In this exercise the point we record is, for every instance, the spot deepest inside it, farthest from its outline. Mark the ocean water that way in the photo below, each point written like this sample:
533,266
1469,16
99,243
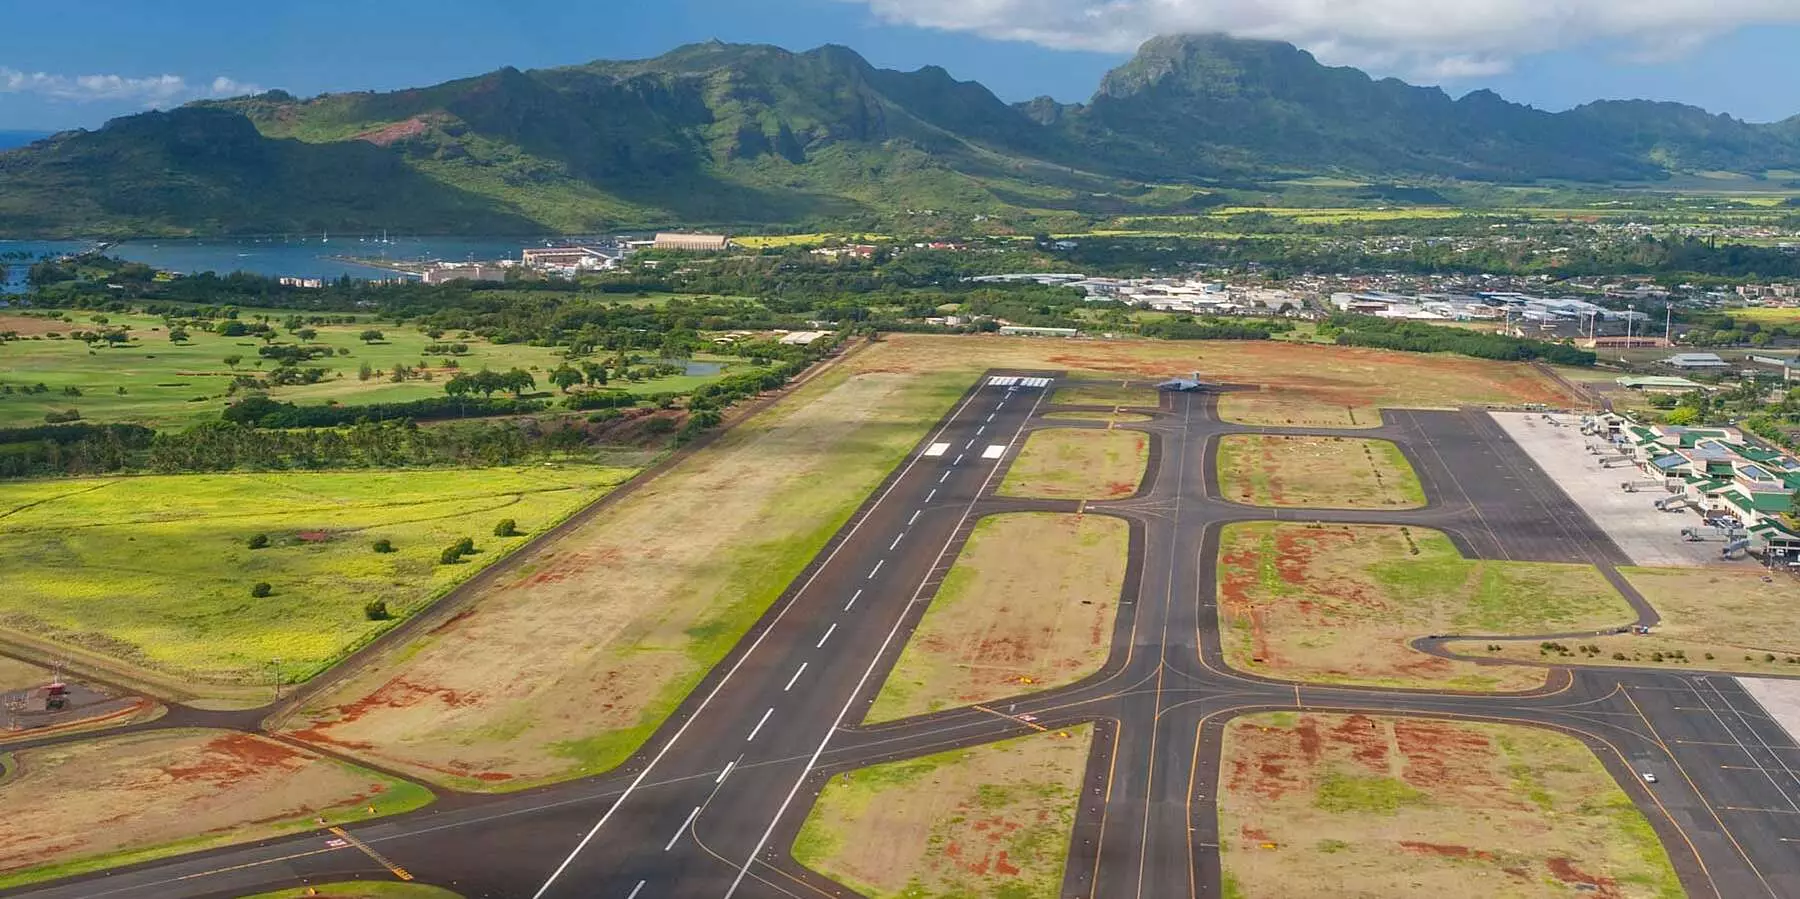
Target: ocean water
317,256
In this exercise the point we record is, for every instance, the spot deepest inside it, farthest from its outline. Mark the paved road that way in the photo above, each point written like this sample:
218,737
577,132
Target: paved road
708,807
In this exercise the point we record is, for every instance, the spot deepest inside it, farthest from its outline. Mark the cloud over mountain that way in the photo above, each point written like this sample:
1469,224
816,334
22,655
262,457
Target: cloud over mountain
150,91
1428,38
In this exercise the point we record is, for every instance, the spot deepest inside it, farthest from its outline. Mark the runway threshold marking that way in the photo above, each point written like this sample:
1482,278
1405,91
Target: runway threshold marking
684,826
1013,718
759,725
369,851
937,449
797,672
994,451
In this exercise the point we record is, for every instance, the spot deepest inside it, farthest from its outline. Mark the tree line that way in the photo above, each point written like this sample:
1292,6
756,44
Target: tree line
1416,337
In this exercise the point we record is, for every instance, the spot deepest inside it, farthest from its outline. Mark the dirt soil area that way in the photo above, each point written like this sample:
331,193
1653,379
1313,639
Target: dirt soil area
33,326
1028,606
16,675
993,820
1067,463
1096,393
1717,619
1317,472
568,666
362,889
1111,417
106,802
1339,605
1364,807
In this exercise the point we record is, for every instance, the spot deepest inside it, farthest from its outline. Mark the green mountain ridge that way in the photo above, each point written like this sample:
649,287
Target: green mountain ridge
751,135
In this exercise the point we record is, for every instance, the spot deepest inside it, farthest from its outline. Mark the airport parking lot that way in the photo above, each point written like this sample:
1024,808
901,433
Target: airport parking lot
1650,537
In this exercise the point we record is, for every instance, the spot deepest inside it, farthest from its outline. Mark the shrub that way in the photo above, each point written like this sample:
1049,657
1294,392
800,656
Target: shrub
261,589
1618,657
384,545
376,610
453,553
506,528
258,542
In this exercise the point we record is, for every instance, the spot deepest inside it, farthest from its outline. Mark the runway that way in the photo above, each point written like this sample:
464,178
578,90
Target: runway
710,804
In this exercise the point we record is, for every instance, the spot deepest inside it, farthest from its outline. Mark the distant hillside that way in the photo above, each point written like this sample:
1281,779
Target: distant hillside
736,135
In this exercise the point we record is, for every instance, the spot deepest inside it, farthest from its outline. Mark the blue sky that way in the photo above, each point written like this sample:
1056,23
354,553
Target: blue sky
77,64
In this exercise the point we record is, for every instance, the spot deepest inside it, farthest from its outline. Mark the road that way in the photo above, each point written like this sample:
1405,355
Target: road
708,807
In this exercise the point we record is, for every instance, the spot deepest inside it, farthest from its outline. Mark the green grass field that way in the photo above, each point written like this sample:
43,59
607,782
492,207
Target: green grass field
169,385
153,575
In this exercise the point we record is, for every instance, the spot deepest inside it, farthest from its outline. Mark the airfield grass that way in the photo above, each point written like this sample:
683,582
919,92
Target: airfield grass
152,575
1294,410
169,385
105,803
16,675
1363,807
1720,619
1766,315
1339,604
1028,606
361,889
1111,417
1317,472
1099,394
566,669
1070,463
992,820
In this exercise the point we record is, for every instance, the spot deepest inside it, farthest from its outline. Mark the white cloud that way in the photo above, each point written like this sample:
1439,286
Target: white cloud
153,90
1430,38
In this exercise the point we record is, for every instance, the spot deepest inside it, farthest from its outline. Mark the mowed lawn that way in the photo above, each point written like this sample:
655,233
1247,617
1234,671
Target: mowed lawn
1722,619
1078,463
1028,606
170,385
1339,604
1416,808
1317,473
991,820
155,573
110,802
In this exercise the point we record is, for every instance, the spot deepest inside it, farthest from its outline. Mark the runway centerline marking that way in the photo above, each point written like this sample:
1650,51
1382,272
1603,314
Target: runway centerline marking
958,459
944,477
828,632
852,601
636,889
737,666
896,543
981,430
759,725
933,493
868,672
797,672
990,417
914,518
684,826
878,564
728,766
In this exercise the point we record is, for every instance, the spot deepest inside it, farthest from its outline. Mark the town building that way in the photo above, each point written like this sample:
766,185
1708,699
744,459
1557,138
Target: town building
445,273
693,243
1697,362
567,259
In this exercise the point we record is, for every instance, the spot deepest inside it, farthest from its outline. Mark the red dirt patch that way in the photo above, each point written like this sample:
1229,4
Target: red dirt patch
233,757
394,133
1447,851
1439,754
1603,887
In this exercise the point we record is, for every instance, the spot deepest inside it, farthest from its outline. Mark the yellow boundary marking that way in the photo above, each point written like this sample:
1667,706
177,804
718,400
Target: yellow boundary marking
369,851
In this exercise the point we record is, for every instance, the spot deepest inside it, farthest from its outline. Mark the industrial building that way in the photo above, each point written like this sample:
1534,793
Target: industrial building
692,243
445,273
1697,362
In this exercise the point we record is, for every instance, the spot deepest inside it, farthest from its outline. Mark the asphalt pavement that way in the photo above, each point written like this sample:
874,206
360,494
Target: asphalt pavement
710,804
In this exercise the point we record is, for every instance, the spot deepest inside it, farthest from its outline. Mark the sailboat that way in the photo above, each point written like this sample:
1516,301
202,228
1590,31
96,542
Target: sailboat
325,237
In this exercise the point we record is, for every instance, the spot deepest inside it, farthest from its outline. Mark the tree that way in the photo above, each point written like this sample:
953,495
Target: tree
565,377
365,372
178,335
376,610
370,336
258,542
307,334
1681,416
232,361
595,374
506,528
384,545
518,381
261,590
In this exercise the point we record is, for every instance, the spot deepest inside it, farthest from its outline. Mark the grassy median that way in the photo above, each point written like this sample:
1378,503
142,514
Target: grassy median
1355,805
1070,463
1317,472
993,820
1028,606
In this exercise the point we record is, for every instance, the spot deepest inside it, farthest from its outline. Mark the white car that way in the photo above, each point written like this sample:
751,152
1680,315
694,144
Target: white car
1648,777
